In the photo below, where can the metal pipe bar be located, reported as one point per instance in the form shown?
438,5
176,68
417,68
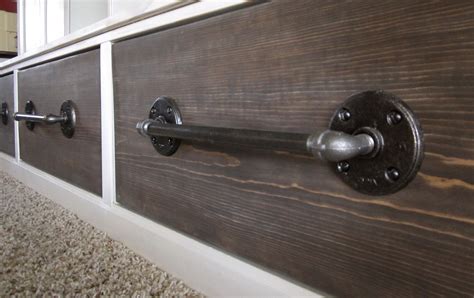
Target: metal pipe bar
47,119
329,145
295,142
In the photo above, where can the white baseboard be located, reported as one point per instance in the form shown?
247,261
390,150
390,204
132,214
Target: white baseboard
202,267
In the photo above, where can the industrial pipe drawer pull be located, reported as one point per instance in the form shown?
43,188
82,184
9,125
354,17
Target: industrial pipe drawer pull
4,113
66,117
374,140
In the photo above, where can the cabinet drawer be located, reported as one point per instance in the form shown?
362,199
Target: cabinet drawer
7,131
78,159
286,66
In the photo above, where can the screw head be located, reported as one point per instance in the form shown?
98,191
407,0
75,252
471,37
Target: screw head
392,174
154,140
29,107
394,117
343,166
344,114
153,111
169,110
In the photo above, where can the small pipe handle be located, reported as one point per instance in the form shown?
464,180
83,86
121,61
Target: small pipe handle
4,113
46,119
66,117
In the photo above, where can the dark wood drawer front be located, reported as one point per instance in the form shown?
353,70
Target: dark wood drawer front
76,160
7,131
286,66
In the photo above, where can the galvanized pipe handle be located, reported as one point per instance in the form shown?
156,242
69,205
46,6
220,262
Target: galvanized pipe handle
4,113
46,119
328,145
66,117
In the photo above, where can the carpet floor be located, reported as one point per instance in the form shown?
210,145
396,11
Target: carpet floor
45,250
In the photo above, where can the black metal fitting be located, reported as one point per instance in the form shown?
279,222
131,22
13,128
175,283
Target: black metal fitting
5,113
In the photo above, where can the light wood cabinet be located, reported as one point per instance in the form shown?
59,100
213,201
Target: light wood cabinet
8,32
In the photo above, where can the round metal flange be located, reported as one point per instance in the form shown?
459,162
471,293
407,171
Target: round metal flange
166,110
5,113
68,110
30,109
399,142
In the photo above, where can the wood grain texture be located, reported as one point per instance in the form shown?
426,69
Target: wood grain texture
76,160
7,132
285,66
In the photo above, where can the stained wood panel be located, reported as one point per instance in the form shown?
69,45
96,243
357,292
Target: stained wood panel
7,132
285,66
76,160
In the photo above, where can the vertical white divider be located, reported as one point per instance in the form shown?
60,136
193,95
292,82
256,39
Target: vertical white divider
20,21
107,124
16,125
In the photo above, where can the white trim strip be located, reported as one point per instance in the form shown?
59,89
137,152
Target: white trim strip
20,27
16,125
107,124
200,266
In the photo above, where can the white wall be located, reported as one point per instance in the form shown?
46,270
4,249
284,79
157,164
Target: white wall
35,27
83,13
48,20
56,21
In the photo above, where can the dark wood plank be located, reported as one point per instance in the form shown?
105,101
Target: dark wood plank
76,160
7,132
285,66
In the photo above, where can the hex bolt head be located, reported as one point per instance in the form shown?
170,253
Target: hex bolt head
344,114
153,111
394,117
343,166
392,174
154,140
169,110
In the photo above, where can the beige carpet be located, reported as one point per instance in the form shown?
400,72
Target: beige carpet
46,250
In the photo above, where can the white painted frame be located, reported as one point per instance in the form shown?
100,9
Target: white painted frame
107,124
16,126
39,33
101,27
20,26
200,266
